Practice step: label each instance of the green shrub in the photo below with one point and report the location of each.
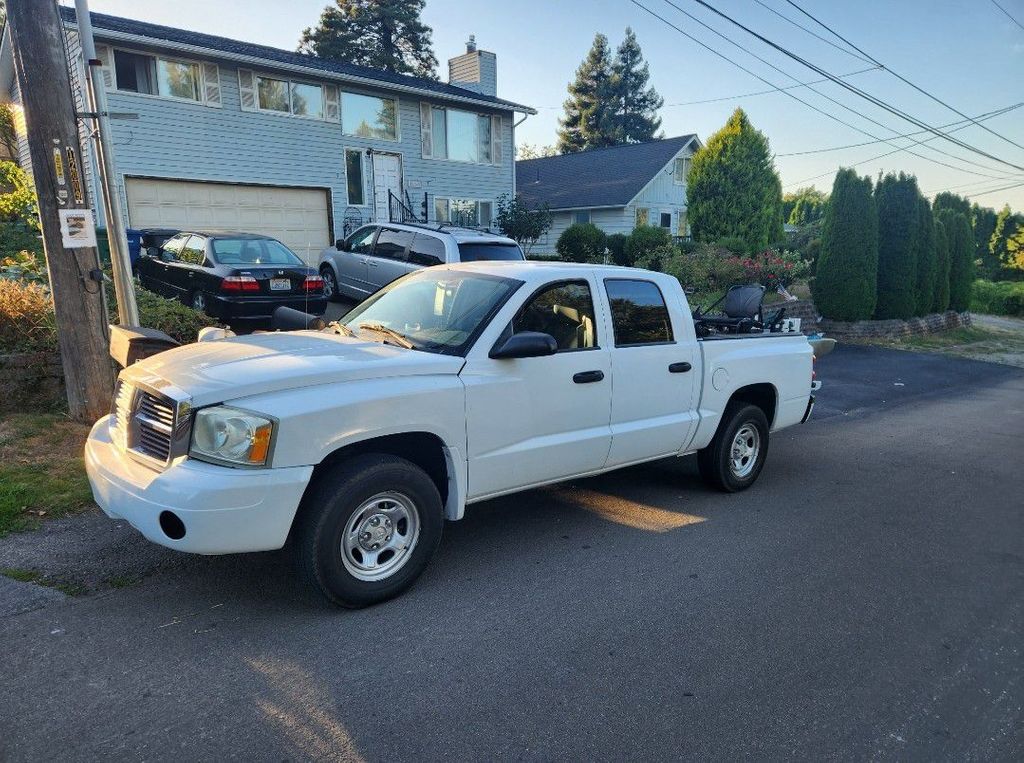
(705, 271)
(26, 317)
(645, 240)
(772, 268)
(688, 247)
(616, 244)
(167, 315)
(734, 244)
(582, 242)
(961, 259)
(24, 266)
(998, 297)
(896, 199)
(17, 237)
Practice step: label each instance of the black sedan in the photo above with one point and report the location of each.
(232, 276)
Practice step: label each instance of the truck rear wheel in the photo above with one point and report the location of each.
(368, 529)
(737, 453)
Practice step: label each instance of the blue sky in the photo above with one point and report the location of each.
(966, 52)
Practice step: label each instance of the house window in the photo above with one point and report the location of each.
(460, 136)
(307, 100)
(154, 75)
(298, 98)
(642, 216)
(466, 212)
(666, 220)
(273, 94)
(581, 216)
(681, 169)
(367, 116)
(354, 177)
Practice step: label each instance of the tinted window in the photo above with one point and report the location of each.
(253, 251)
(362, 241)
(472, 252)
(194, 252)
(565, 311)
(392, 244)
(426, 251)
(639, 315)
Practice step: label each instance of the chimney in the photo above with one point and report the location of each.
(475, 70)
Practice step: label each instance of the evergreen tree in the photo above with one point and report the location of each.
(896, 198)
(961, 261)
(940, 302)
(733, 188)
(952, 202)
(924, 253)
(589, 118)
(807, 207)
(380, 34)
(847, 272)
(983, 220)
(636, 115)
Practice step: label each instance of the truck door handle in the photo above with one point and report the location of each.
(586, 377)
(679, 368)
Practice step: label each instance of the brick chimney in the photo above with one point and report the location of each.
(475, 70)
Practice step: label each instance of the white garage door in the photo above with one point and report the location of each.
(295, 216)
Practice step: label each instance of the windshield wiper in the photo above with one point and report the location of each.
(400, 339)
(341, 328)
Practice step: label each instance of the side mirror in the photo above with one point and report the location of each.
(525, 344)
(166, 256)
(339, 244)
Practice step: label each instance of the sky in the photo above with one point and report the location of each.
(967, 53)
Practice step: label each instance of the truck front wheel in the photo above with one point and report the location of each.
(368, 529)
(737, 453)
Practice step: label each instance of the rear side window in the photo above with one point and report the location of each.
(426, 251)
(391, 244)
(474, 252)
(639, 314)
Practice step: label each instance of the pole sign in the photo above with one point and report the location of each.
(77, 229)
(58, 170)
(76, 178)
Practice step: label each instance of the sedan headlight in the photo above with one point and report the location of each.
(227, 435)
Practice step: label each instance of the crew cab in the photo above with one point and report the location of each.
(375, 255)
(453, 385)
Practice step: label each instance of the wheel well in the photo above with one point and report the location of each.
(761, 395)
(424, 449)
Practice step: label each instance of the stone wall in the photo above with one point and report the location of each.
(891, 329)
(803, 309)
(31, 380)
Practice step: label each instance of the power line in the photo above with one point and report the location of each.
(1011, 18)
(812, 33)
(903, 79)
(994, 190)
(867, 96)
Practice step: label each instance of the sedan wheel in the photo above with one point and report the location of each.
(199, 302)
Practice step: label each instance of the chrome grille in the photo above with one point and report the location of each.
(145, 423)
(122, 411)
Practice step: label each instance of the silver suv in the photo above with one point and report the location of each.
(376, 254)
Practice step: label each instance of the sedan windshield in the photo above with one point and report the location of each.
(437, 312)
(253, 251)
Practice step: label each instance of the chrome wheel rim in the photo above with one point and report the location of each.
(745, 447)
(328, 283)
(198, 302)
(380, 536)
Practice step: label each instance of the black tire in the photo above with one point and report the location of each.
(330, 283)
(198, 297)
(330, 505)
(715, 461)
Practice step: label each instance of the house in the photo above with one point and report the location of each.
(229, 134)
(616, 188)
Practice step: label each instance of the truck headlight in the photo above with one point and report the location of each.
(227, 435)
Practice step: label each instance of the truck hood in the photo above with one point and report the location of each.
(226, 369)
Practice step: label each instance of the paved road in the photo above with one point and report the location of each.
(864, 600)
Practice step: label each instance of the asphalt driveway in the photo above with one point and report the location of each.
(864, 600)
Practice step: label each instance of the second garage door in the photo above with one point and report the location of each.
(297, 217)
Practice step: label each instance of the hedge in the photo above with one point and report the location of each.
(582, 242)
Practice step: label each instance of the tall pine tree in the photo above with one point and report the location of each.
(983, 220)
(636, 114)
(940, 302)
(589, 118)
(924, 253)
(896, 199)
(380, 34)
(961, 260)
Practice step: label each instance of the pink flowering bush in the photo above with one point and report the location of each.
(773, 268)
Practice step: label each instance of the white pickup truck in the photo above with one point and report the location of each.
(453, 385)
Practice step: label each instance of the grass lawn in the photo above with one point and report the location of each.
(978, 342)
(42, 474)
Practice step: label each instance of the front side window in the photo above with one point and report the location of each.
(362, 240)
(391, 244)
(174, 245)
(565, 311)
(639, 314)
(194, 252)
(354, 177)
(367, 116)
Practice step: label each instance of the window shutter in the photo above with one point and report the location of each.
(331, 103)
(211, 85)
(496, 157)
(106, 57)
(247, 89)
(426, 131)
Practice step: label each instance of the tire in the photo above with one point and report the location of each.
(197, 301)
(369, 501)
(330, 284)
(745, 427)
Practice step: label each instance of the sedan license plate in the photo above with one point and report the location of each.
(280, 284)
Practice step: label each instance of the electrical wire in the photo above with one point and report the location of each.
(1011, 18)
(825, 40)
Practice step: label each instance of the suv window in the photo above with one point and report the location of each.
(563, 310)
(194, 252)
(426, 251)
(391, 244)
(362, 240)
(474, 252)
(639, 314)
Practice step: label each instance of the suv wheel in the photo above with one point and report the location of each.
(330, 284)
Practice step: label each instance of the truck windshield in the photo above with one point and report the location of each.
(473, 252)
(435, 312)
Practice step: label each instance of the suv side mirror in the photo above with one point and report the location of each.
(525, 344)
(339, 244)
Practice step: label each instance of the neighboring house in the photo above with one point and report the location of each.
(246, 137)
(616, 188)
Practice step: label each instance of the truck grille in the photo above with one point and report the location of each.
(144, 422)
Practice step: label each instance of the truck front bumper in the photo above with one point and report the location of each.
(221, 510)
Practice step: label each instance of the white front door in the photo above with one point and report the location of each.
(387, 176)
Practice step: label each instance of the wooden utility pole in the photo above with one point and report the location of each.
(41, 67)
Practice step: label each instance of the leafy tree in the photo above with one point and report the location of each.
(804, 206)
(644, 240)
(733, 188)
(961, 258)
(616, 243)
(896, 199)
(1007, 224)
(519, 222)
(924, 254)
(589, 118)
(1015, 250)
(983, 220)
(532, 151)
(636, 116)
(847, 269)
(8, 131)
(380, 34)
(17, 196)
(940, 298)
(581, 242)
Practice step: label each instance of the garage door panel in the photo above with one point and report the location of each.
(296, 216)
